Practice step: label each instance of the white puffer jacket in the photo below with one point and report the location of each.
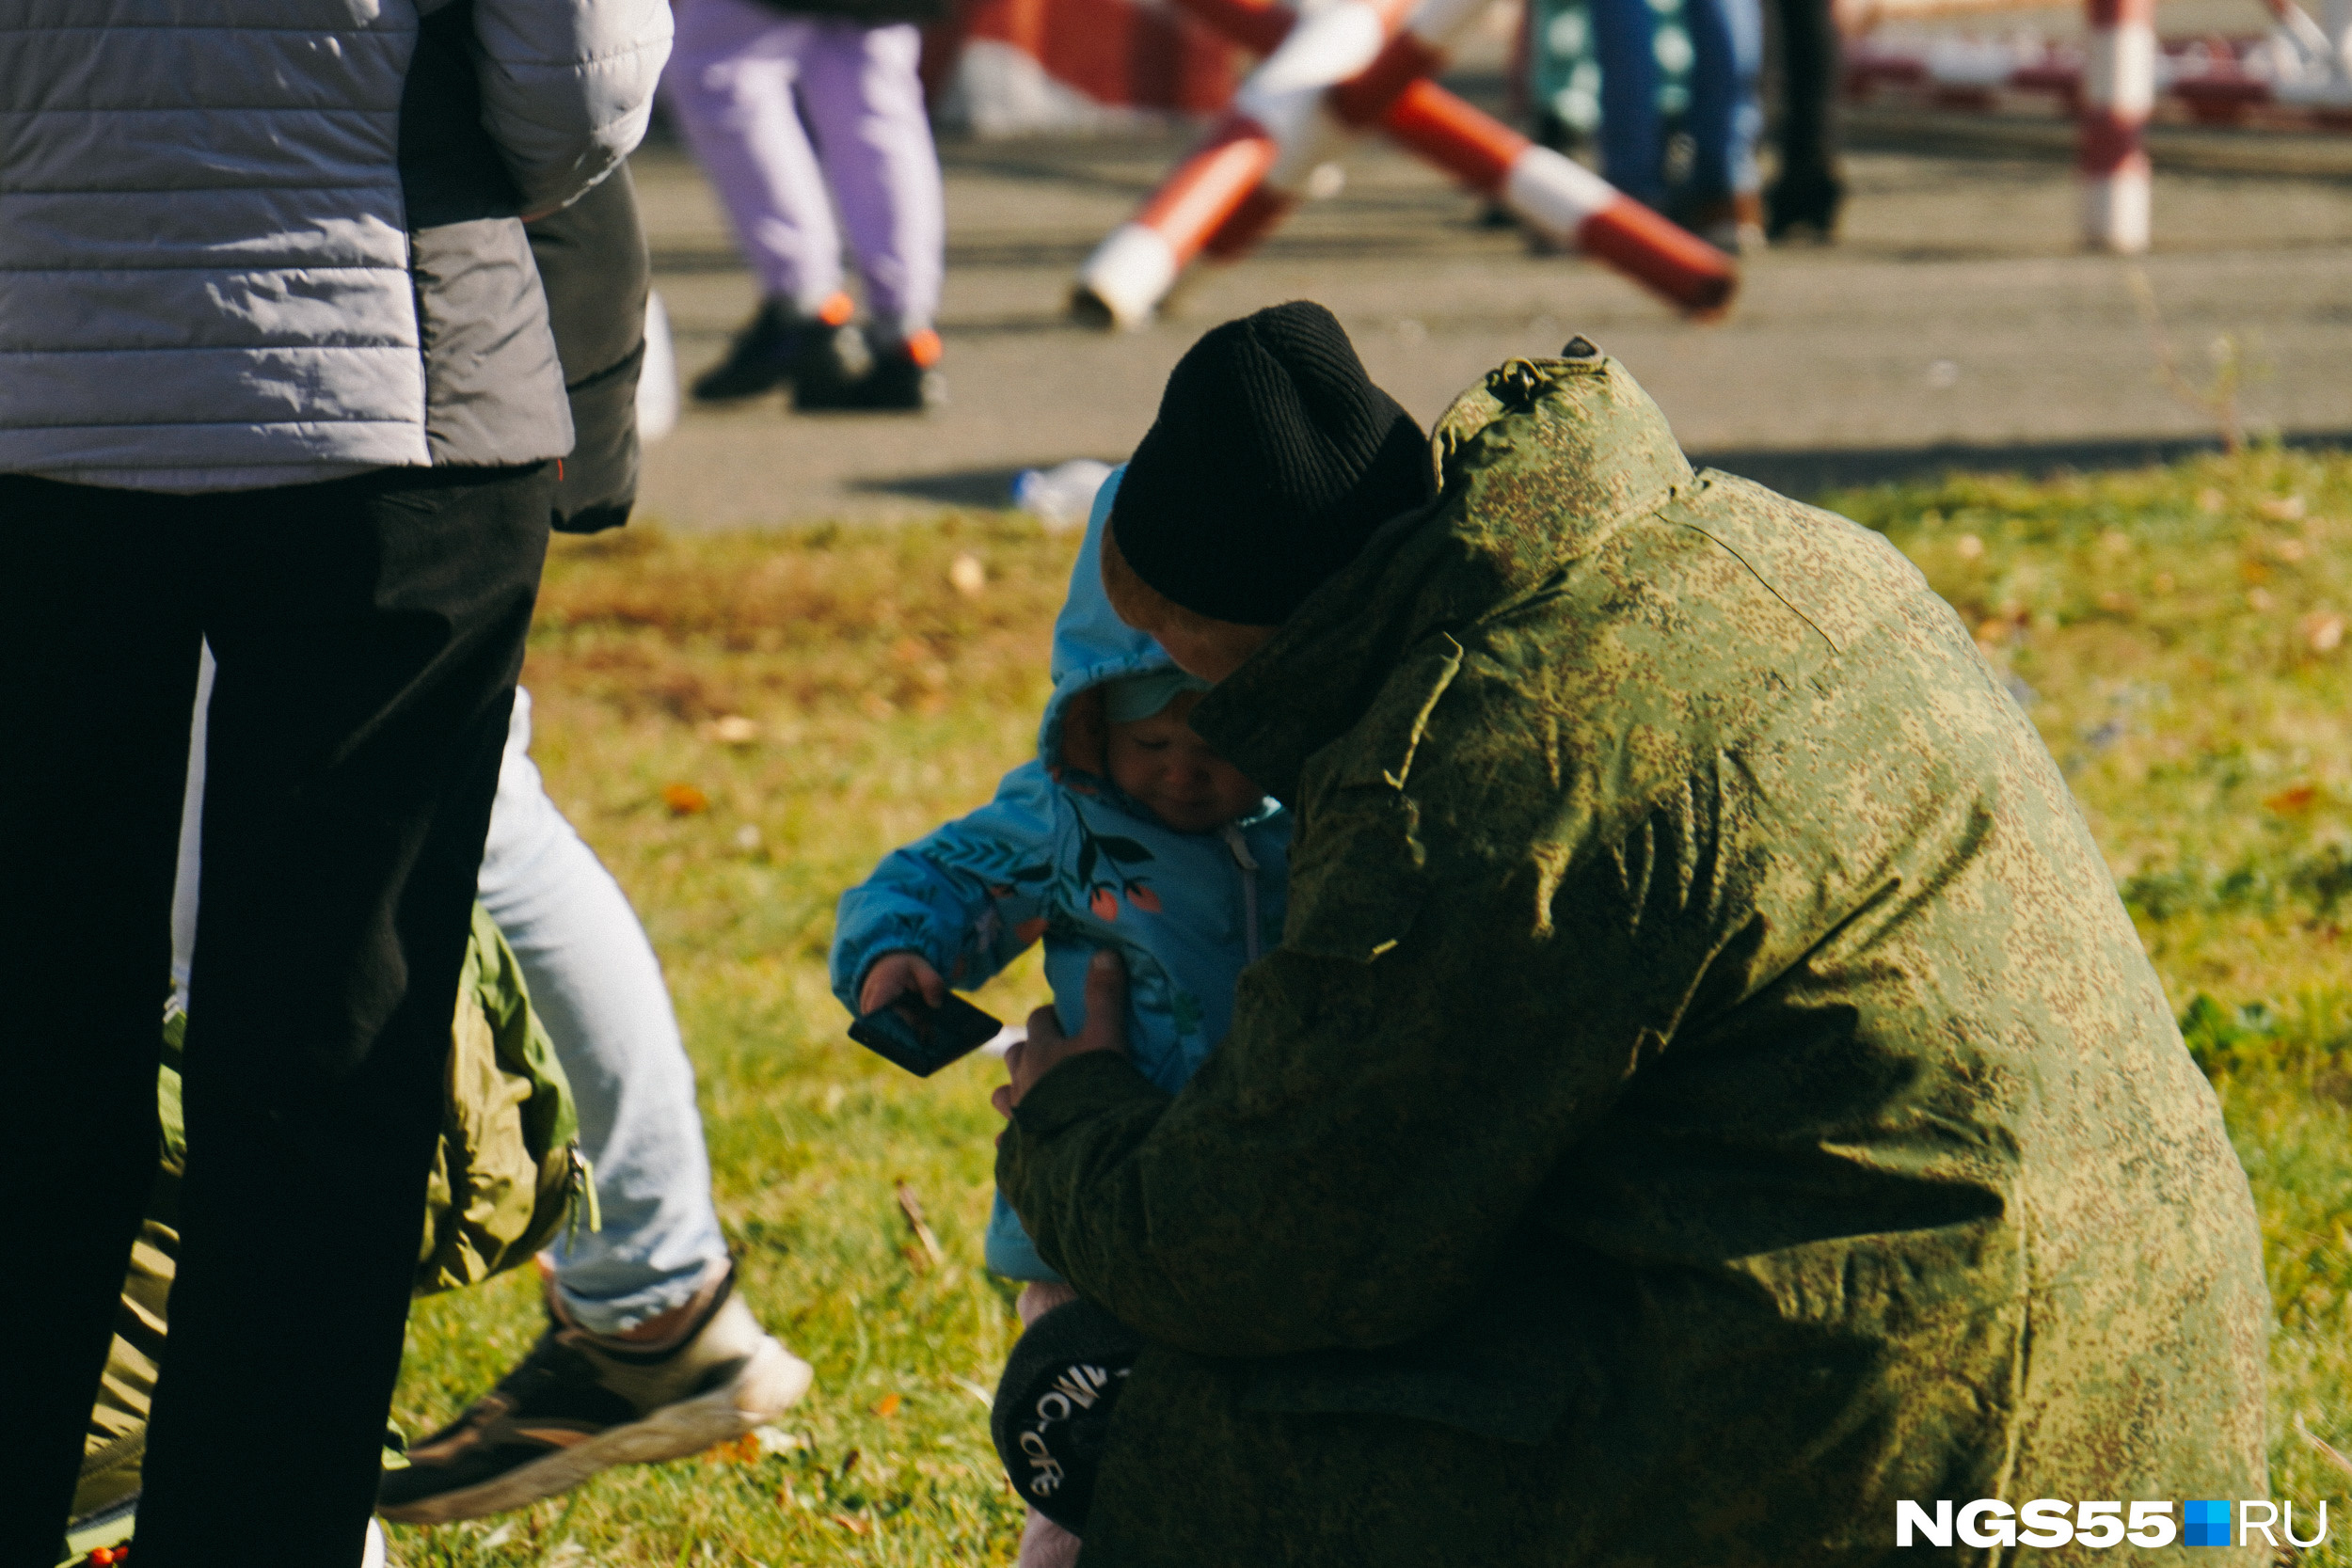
(261, 242)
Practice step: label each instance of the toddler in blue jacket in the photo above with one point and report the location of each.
(1127, 832)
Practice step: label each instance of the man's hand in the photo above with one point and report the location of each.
(895, 973)
(1047, 1047)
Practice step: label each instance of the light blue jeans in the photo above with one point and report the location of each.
(599, 988)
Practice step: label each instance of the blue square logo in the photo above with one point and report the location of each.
(2205, 1522)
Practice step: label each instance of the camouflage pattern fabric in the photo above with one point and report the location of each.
(1708, 1090)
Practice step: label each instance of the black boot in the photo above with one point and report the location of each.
(1803, 204)
(778, 344)
(876, 373)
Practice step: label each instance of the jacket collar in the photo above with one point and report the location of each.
(1537, 465)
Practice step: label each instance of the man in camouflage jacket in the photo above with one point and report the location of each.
(1708, 1090)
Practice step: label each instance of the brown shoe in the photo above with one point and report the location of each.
(581, 1402)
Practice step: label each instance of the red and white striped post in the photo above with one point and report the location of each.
(1275, 112)
(1557, 195)
(1563, 199)
(2119, 90)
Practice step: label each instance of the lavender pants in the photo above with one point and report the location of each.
(732, 76)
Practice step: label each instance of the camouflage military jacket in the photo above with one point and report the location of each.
(1707, 1091)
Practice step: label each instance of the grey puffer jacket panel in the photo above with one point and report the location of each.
(212, 271)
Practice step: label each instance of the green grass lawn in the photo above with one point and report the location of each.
(742, 724)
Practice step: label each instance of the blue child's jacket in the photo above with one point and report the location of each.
(1060, 853)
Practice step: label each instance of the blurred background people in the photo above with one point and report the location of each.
(791, 105)
(1715, 191)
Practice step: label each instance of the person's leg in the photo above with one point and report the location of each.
(368, 634)
(1632, 149)
(97, 666)
(598, 987)
(865, 96)
(1719, 198)
(649, 1353)
(1806, 191)
(731, 78)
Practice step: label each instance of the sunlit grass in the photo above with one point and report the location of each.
(2179, 635)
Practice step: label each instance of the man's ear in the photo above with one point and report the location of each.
(1084, 733)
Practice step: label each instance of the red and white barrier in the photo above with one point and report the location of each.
(2212, 80)
(1014, 67)
(2119, 92)
(1277, 112)
(1132, 270)
(1562, 199)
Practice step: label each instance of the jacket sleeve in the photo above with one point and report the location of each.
(594, 269)
(567, 88)
(969, 897)
(1359, 1159)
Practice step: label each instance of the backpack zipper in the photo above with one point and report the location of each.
(1240, 846)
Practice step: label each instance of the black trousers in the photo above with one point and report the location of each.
(368, 632)
(1810, 82)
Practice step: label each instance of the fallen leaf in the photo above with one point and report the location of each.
(777, 1440)
(887, 1406)
(1968, 546)
(2210, 499)
(747, 837)
(911, 1206)
(684, 799)
(732, 729)
(2283, 509)
(497, 1537)
(2295, 798)
(855, 1526)
(745, 1450)
(2324, 631)
(2289, 551)
(2260, 601)
(967, 575)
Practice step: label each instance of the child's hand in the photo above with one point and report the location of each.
(895, 973)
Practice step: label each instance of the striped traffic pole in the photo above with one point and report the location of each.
(1562, 199)
(1418, 50)
(1276, 110)
(2119, 90)
(1556, 195)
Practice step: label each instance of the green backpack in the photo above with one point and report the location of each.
(504, 1180)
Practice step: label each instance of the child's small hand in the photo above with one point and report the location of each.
(895, 973)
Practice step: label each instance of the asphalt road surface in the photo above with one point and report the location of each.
(1956, 322)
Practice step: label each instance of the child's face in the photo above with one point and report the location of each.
(1164, 766)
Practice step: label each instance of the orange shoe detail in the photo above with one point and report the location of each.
(836, 311)
(924, 348)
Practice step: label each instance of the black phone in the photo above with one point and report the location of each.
(923, 1038)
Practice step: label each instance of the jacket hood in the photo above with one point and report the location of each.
(1092, 645)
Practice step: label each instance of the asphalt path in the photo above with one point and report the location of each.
(1955, 323)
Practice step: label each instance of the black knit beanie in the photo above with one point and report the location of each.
(1273, 459)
